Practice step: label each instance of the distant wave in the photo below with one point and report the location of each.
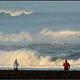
(32, 60)
(45, 35)
(15, 12)
(62, 35)
(15, 37)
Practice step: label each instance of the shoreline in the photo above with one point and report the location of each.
(39, 74)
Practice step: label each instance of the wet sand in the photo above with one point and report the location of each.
(39, 74)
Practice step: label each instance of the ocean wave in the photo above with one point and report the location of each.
(42, 36)
(15, 37)
(15, 12)
(30, 59)
(60, 36)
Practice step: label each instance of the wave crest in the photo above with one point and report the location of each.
(22, 36)
(41, 36)
(15, 12)
(32, 60)
(66, 33)
(60, 36)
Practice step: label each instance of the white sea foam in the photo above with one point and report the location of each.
(15, 12)
(43, 35)
(30, 59)
(63, 35)
(15, 37)
(60, 34)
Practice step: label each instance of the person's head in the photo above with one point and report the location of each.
(65, 61)
(15, 60)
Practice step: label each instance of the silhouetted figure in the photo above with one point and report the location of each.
(16, 65)
(66, 65)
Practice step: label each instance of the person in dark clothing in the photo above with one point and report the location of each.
(66, 65)
(16, 65)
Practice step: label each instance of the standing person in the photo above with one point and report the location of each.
(66, 65)
(16, 65)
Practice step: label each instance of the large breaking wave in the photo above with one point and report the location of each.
(30, 59)
(15, 12)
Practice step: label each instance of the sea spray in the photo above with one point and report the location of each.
(29, 59)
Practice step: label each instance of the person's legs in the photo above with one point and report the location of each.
(65, 69)
(15, 69)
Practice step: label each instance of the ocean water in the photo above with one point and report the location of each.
(40, 34)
